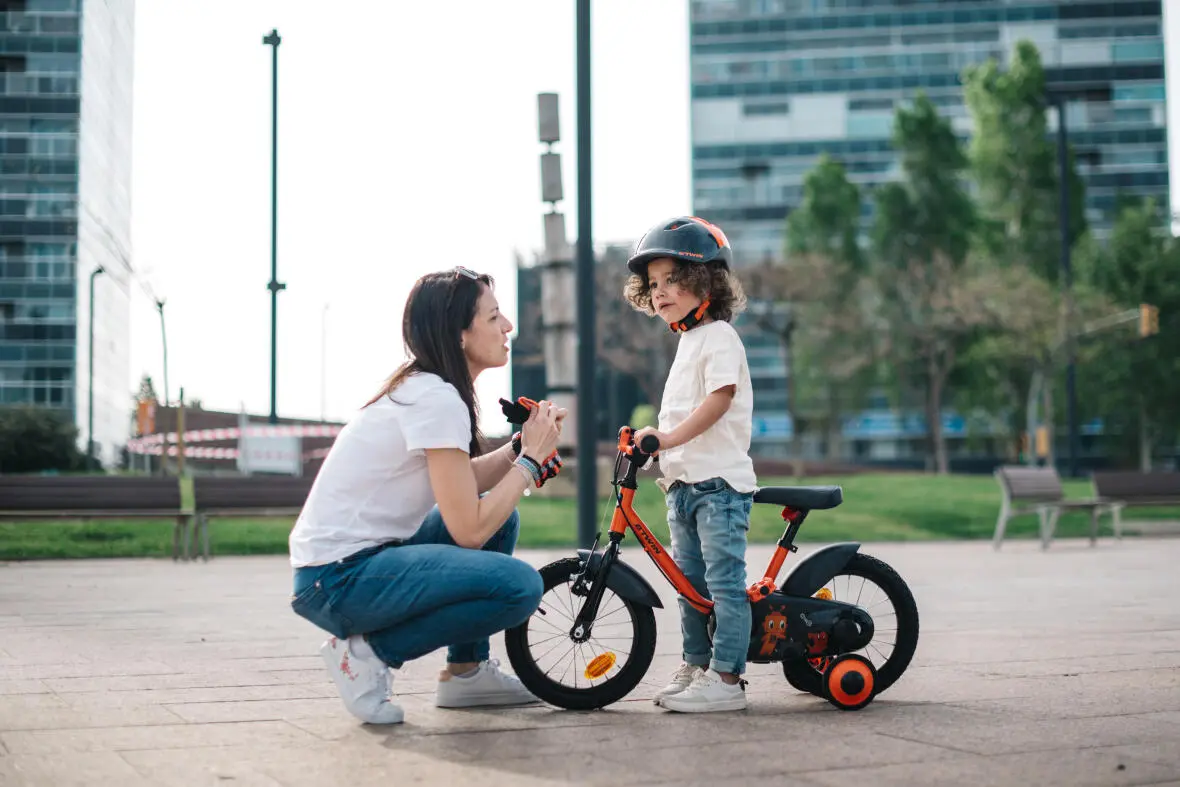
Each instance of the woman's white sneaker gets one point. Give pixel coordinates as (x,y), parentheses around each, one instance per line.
(488,686)
(364,683)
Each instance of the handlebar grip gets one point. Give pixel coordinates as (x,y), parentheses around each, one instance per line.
(649,444)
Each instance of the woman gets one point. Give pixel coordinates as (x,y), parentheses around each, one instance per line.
(404,545)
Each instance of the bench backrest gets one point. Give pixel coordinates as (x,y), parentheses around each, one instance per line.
(1041,484)
(256,492)
(1136,486)
(89,493)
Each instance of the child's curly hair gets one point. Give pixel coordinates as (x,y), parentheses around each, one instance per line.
(722,289)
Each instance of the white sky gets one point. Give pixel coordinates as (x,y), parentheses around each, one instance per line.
(407,143)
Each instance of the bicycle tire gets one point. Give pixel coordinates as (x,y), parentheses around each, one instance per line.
(802,676)
(611,690)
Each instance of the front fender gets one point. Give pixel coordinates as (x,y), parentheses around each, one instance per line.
(625,581)
(814,571)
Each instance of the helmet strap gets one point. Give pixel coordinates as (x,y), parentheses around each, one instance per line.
(692,320)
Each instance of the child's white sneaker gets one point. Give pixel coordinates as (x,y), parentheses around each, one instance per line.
(364,682)
(488,686)
(707,693)
(681,680)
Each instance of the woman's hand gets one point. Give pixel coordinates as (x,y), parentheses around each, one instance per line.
(538,435)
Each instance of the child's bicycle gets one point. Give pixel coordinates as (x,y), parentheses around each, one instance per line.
(594,635)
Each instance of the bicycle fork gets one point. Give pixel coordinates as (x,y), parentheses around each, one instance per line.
(591,583)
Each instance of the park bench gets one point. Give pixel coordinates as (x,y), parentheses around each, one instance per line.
(256,496)
(1137,489)
(25,498)
(1037,490)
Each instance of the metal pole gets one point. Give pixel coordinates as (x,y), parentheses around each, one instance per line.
(1067,284)
(272,40)
(164,339)
(587,441)
(90,383)
(324,362)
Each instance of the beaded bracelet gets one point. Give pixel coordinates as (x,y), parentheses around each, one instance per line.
(530,464)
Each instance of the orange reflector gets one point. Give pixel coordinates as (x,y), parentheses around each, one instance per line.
(600,665)
(823,595)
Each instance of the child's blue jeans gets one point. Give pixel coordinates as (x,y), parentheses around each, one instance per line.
(709,522)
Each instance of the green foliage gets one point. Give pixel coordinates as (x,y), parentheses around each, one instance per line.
(1133,382)
(827,222)
(644,415)
(38,439)
(1014,162)
(921,237)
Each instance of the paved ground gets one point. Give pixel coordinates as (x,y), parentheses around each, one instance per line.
(1040,668)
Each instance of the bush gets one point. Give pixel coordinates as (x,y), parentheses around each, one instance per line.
(37,439)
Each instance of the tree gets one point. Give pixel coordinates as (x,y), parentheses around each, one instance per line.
(628,341)
(38,439)
(1014,163)
(811,302)
(1015,359)
(1133,382)
(928,296)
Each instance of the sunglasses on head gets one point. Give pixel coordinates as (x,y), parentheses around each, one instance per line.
(461,271)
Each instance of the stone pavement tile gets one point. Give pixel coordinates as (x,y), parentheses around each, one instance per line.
(175,736)
(67,718)
(1084,702)
(981,732)
(1065,767)
(145,697)
(68,770)
(253,710)
(767,752)
(1164,752)
(23,686)
(1171,716)
(195,767)
(1112,662)
(85,669)
(193,678)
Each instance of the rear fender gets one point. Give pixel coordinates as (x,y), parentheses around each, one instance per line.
(814,571)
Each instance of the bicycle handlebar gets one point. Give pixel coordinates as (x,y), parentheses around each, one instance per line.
(649,444)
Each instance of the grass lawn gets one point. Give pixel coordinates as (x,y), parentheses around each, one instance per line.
(886,507)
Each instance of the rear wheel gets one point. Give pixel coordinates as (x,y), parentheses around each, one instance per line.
(581,675)
(875,587)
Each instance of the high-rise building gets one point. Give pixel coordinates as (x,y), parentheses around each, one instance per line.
(65,209)
(775,83)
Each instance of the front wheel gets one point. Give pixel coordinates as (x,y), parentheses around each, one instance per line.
(873,585)
(581,675)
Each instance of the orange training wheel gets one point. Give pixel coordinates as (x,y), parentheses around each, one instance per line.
(850,682)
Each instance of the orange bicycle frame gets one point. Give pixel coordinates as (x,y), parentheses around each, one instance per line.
(625,517)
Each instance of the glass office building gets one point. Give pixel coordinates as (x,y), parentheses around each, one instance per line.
(65,209)
(775,83)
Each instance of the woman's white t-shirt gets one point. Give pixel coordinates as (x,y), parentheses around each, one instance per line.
(374,486)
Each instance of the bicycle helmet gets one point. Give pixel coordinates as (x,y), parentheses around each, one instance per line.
(684,238)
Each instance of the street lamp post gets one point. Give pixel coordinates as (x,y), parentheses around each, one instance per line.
(584,276)
(1067,281)
(90,373)
(272,40)
(164,339)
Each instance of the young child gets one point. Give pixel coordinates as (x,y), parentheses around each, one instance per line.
(680,272)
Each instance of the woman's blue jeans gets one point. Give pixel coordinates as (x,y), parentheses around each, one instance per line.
(412,598)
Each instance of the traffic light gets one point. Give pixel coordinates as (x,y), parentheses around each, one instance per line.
(1149,319)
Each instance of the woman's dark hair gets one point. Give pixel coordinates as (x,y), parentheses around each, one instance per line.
(713,282)
(439,308)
